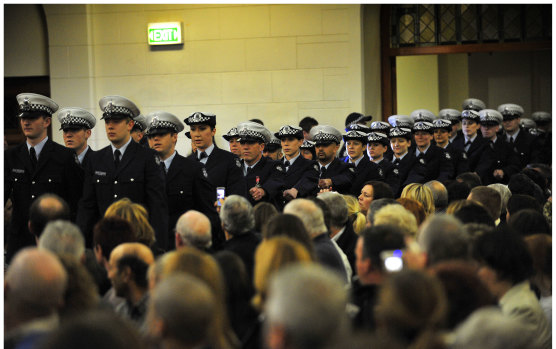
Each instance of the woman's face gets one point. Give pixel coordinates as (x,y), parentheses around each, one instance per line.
(365,198)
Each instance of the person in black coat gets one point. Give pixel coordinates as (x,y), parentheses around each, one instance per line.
(544,134)
(377,147)
(365,170)
(36,167)
(223,167)
(406,165)
(187,184)
(123,169)
(442,129)
(76,124)
(525,144)
(435,160)
(333,173)
(381,127)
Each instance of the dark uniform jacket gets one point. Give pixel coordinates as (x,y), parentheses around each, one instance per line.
(526,146)
(478,157)
(544,153)
(271,179)
(224,170)
(341,175)
(138,177)
(187,188)
(458,159)
(365,171)
(87,157)
(409,170)
(303,175)
(438,165)
(390,176)
(503,158)
(347,242)
(57,172)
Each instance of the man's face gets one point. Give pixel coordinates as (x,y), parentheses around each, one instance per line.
(201,136)
(361,263)
(355,148)
(118,131)
(441,136)
(35,128)
(489,131)
(137,135)
(116,277)
(365,198)
(511,126)
(290,146)
(164,144)
(399,145)
(376,150)
(469,127)
(422,139)
(251,151)
(235,146)
(274,155)
(76,139)
(326,153)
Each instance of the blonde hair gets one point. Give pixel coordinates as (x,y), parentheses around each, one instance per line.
(272,255)
(398,216)
(354,213)
(137,216)
(421,193)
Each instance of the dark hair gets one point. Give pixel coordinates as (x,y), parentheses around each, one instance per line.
(111,231)
(490,198)
(518,202)
(307,123)
(40,216)
(529,222)
(138,268)
(381,190)
(263,211)
(258,121)
(470,178)
(377,239)
(537,177)
(457,190)
(285,224)
(505,252)
(521,184)
(474,213)
(81,291)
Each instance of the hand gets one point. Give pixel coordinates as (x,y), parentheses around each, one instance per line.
(325,183)
(498,174)
(290,194)
(257,193)
(218,204)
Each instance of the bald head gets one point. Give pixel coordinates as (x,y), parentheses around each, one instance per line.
(47,208)
(193,229)
(309,213)
(132,249)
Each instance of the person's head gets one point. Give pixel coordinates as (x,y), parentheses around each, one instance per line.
(505,195)
(423,134)
(127,268)
(442,237)
(470,211)
(136,215)
(202,128)
(289,225)
(271,256)
(356,143)
(337,207)
(253,138)
(306,125)
(81,293)
(529,222)
(46,208)
(470,123)
(355,217)
(511,114)
(63,237)
(489,198)
(273,149)
(519,202)
(76,125)
(327,142)
(34,286)
(540,249)
(305,307)
(263,211)
(239,288)
(162,132)
(442,129)
(521,184)
(439,194)
(181,311)
(377,145)
(35,115)
(400,140)
(237,215)
(421,193)
(307,150)
(415,207)
(457,190)
(377,205)
(536,176)
(108,233)
(397,216)
(232,137)
(504,259)
(309,213)
(373,190)
(490,121)
(193,229)
(371,243)
(139,128)
(291,139)
(470,178)
(118,114)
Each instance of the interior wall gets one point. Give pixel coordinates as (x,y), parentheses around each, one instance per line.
(417,83)
(453,80)
(371,54)
(278,63)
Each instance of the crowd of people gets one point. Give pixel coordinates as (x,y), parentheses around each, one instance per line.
(409,233)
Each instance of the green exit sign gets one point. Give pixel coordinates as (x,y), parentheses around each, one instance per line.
(164,33)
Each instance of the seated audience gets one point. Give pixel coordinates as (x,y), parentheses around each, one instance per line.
(519,202)
(470,178)
(421,193)
(529,222)
(540,248)
(490,199)
(505,195)
(81,293)
(193,229)
(521,184)
(63,238)
(355,217)
(263,211)
(457,191)
(373,190)
(469,211)
(137,216)
(46,208)
(439,194)
(415,207)
(285,224)
(377,205)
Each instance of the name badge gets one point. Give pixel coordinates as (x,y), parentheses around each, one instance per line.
(100,173)
(18,170)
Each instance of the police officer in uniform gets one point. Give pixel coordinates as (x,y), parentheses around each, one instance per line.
(473,144)
(187,184)
(333,173)
(273,149)
(505,161)
(123,169)
(442,129)
(406,165)
(454,116)
(524,143)
(232,137)
(436,161)
(544,134)
(354,121)
(302,175)
(365,170)
(36,167)
(76,124)
(382,127)
(223,167)
(308,149)
(377,146)
(138,130)
(264,177)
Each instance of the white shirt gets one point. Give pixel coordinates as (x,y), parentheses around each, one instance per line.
(466,147)
(245,166)
(81,156)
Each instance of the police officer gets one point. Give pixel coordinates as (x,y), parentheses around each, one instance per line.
(422,115)
(223,167)
(138,130)
(442,129)
(436,161)
(76,124)
(302,175)
(473,144)
(505,161)
(308,149)
(382,127)
(36,167)
(454,117)
(333,173)
(377,146)
(187,184)
(406,165)
(365,170)
(524,143)
(264,177)
(354,121)
(273,149)
(123,169)
(473,104)
(232,137)
(544,134)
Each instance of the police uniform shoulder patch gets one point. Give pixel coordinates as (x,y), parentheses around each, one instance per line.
(352,169)
(464,156)
(205,174)
(238,163)
(157,159)
(279,168)
(422,161)
(448,157)
(396,171)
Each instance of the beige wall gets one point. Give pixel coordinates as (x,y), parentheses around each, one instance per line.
(371,54)
(417,83)
(278,63)
(453,80)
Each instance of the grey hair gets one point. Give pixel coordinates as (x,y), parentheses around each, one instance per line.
(63,237)
(443,237)
(309,213)
(504,192)
(194,229)
(309,301)
(237,215)
(439,194)
(337,206)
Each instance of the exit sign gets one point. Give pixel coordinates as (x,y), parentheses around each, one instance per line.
(164,33)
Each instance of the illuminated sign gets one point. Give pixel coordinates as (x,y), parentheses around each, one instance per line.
(164,33)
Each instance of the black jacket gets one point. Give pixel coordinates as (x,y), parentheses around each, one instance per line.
(503,157)
(303,175)
(438,165)
(271,179)
(478,157)
(365,171)
(526,146)
(458,159)
(341,175)
(390,176)
(347,242)
(409,170)
(244,246)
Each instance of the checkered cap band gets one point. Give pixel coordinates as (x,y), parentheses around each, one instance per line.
(35,107)
(325,137)
(541,116)
(377,137)
(423,126)
(161,124)
(231,134)
(357,127)
(442,123)
(199,118)
(380,125)
(307,144)
(115,109)
(250,134)
(289,131)
(356,135)
(275,140)
(510,109)
(473,104)
(470,114)
(75,121)
(33,102)
(399,132)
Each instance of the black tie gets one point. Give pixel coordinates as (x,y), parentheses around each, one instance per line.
(287,163)
(202,156)
(491,145)
(468,143)
(33,155)
(511,140)
(396,162)
(249,169)
(322,172)
(117,154)
(163,166)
